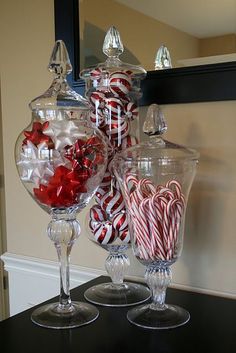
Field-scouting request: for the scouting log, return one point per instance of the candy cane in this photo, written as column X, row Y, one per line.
column 177, row 187
column 156, row 239
column 144, row 188
column 143, row 208
column 131, row 181
column 141, row 223
column 156, row 213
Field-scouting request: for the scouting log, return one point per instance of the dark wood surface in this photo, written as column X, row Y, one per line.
column 212, row 82
column 211, row 329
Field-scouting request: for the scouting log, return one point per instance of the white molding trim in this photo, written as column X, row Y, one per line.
column 37, row 266
column 33, row 280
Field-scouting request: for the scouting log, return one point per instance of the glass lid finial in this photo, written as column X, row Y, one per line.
column 155, row 123
column 59, row 95
column 112, row 45
column 59, row 62
column 163, row 59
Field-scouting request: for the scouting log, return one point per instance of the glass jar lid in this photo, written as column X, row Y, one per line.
column 156, row 147
column 113, row 48
column 59, row 95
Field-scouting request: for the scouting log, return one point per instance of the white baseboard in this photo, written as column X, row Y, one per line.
column 32, row 280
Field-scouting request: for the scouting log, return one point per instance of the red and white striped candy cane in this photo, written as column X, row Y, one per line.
column 155, row 226
column 157, row 249
column 147, row 187
column 177, row 188
column 131, row 182
column 141, row 225
column 167, row 193
column 175, row 208
column 159, row 206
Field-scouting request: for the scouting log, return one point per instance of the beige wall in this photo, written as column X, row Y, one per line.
column 217, row 45
column 26, row 38
column 208, row 260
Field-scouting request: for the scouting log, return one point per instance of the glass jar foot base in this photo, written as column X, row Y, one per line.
column 117, row 295
column 170, row 317
column 53, row 316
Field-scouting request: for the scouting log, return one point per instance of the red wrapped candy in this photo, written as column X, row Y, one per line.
column 97, row 214
column 98, row 99
column 125, row 236
column 120, row 221
column 112, row 202
column 118, row 131
column 120, row 83
column 131, row 110
column 104, row 233
column 114, row 110
column 97, row 118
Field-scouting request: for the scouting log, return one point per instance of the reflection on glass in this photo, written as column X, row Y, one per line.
column 190, row 33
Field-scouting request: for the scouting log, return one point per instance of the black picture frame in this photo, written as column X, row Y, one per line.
column 212, row 82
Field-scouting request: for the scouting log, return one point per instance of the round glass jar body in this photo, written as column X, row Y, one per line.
column 61, row 158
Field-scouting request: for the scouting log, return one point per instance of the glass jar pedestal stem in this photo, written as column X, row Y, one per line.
column 63, row 230
column 117, row 293
column 63, row 252
column 116, row 266
column 158, row 314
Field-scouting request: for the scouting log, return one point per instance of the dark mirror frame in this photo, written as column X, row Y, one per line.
column 212, row 82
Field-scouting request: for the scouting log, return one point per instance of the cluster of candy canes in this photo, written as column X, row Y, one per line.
column 113, row 110
column 58, row 162
column 156, row 214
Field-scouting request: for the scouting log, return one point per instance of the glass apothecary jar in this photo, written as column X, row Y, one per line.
column 113, row 89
